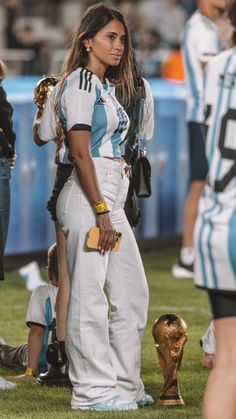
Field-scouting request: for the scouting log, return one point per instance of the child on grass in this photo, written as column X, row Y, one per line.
column 41, row 321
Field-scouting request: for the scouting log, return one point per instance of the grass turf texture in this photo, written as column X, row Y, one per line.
column 167, row 294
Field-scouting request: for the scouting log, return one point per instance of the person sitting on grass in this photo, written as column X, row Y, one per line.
column 41, row 320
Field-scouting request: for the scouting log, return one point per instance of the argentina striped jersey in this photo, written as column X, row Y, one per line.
column 201, row 42
column 87, row 104
column 215, row 231
column 41, row 312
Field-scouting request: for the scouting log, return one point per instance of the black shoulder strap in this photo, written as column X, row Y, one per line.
column 135, row 113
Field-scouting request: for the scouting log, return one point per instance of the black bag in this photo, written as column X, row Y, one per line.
column 141, row 173
column 132, row 210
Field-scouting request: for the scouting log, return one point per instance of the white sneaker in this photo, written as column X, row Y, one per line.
column 6, row 385
column 115, row 403
column 181, row 270
column 31, row 274
column 2, row 341
column 147, row 400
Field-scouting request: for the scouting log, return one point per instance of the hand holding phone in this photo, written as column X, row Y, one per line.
column 93, row 239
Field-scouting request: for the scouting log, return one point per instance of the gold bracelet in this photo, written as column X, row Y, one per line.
column 101, row 207
column 31, row 372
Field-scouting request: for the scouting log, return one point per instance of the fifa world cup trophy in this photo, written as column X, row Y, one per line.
column 42, row 90
column 170, row 335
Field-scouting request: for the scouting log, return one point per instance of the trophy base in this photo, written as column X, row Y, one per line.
column 171, row 400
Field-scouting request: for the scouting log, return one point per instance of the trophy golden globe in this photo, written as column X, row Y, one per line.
column 170, row 335
column 42, row 90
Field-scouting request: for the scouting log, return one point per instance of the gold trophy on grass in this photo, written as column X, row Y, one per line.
column 170, row 335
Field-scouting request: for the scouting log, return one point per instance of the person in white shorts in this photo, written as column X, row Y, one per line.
column 215, row 231
column 108, row 303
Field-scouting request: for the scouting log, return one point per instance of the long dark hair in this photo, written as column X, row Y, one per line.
column 133, row 107
column 231, row 10
column 93, row 20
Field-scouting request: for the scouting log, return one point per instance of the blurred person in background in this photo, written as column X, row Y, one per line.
column 7, row 144
column 148, row 53
column 39, row 60
column 201, row 42
column 215, row 231
column 13, row 9
column 7, row 157
column 111, row 387
column 167, row 17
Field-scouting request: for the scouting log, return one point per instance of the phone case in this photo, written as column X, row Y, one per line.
column 93, row 237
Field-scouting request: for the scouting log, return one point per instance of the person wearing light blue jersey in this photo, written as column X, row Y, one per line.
column 103, row 340
column 40, row 319
column 201, row 42
column 215, row 229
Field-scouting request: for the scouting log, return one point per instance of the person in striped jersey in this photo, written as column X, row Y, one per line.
column 201, row 42
column 215, row 230
column 104, row 366
column 140, row 128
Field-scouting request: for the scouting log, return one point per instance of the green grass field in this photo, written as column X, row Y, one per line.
column 30, row 400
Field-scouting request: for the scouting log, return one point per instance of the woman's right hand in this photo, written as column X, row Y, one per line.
column 107, row 238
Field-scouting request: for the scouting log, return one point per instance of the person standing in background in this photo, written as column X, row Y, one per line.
column 7, row 143
column 215, row 230
column 201, row 43
column 7, row 157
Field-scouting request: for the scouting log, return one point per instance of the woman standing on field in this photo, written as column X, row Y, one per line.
column 103, row 349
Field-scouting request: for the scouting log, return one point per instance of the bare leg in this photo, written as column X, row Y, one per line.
column 219, row 399
column 63, row 285
column 191, row 211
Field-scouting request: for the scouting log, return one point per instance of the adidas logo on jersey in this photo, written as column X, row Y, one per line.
column 85, row 80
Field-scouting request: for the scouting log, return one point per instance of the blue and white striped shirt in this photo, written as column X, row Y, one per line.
column 87, row 104
column 201, row 42
column 215, row 230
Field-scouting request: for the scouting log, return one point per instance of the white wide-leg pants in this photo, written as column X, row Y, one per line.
column 108, row 304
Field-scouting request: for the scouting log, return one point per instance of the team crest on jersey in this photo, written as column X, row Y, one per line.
column 227, row 80
column 123, row 121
